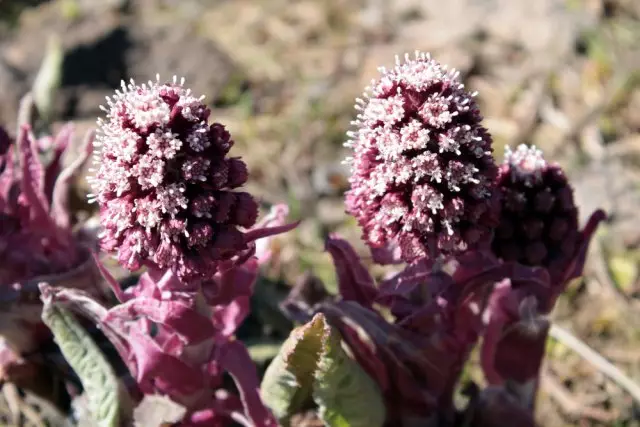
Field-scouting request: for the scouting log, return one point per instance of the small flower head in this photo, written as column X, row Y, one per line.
column 163, row 181
column 539, row 222
column 422, row 168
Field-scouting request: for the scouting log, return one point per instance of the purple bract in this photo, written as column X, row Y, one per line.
column 37, row 240
column 36, row 237
column 417, row 358
column 179, row 341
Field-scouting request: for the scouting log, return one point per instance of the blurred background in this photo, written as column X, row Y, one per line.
column 282, row 75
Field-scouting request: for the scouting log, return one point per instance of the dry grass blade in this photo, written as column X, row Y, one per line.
column 599, row 362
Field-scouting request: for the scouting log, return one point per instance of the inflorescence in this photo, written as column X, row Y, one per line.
column 163, row 181
column 422, row 166
column 539, row 220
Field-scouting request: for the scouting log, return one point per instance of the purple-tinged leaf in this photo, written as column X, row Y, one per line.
column 32, row 182
column 225, row 406
column 60, row 191
column 229, row 284
column 229, row 294
column 574, row 269
column 156, row 370
column 516, row 330
column 354, row 281
column 438, row 307
column 7, row 180
column 398, row 291
column 229, row 318
column 146, row 287
column 111, row 281
column 260, row 233
column 458, row 282
column 470, row 266
column 207, row 418
column 235, row 359
column 167, row 282
column 60, row 144
column 77, row 300
column 183, row 319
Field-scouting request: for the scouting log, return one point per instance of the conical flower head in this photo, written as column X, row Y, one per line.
column 163, row 182
column 539, row 222
column 422, row 167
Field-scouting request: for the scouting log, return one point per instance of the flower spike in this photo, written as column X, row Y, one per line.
column 164, row 182
column 422, row 168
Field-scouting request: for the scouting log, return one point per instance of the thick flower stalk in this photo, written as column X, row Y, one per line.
column 36, row 238
column 538, row 228
column 164, row 181
column 180, row 343
column 174, row 348
column 417, row 359
column 422, row 166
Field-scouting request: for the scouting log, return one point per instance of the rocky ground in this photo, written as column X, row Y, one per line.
column 282, row 75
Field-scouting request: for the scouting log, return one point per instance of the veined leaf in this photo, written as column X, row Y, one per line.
column 98, row 378
column 313, row 365
column 345, row 394
column 288, row 381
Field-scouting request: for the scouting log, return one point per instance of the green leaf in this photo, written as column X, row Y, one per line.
column 288, row 380
column 345, row 394
column 98, row 378
column 312, row 365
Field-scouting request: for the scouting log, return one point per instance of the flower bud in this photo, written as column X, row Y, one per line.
column 539, row 223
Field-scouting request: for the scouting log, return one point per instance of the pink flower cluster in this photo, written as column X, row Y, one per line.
column 163, row 182
column 422, row 168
